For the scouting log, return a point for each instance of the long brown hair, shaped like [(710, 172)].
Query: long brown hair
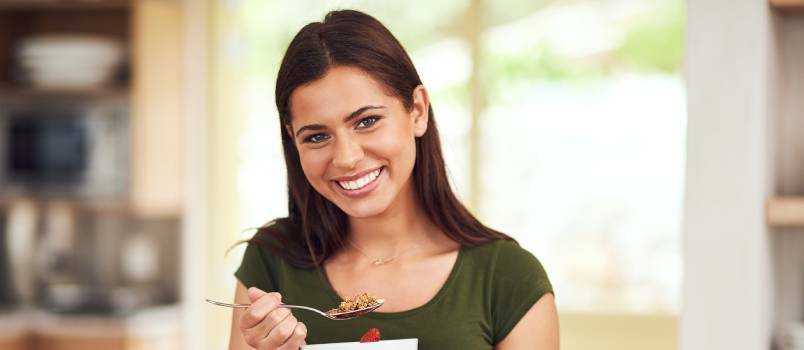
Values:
[(353, 38)]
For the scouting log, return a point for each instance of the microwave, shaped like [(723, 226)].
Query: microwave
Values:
[(75, 149)]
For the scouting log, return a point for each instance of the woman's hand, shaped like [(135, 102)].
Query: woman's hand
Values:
[(266, 326)]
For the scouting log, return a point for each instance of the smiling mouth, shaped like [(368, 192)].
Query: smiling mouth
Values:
[(361, 182)]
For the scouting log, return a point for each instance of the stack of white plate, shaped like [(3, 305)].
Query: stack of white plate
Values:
[(69, 61), (795, 337)]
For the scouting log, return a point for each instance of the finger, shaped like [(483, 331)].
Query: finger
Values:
[(280, 333), (255, 293), (256, 335), (271, 321), (297, 339), (259, 309)]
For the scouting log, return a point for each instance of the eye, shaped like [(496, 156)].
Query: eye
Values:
[(317, 138), (367, 122)]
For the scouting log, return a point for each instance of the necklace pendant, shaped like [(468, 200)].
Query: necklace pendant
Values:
[(382, 261)]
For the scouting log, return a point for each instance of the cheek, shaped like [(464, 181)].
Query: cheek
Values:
[(314, 165), (401, 150)]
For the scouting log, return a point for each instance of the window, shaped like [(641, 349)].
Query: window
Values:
[(578, 144)]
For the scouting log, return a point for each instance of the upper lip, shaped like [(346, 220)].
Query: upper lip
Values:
[(357, 175)]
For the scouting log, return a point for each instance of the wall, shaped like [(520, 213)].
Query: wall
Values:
[(618, 331), (196, 224)]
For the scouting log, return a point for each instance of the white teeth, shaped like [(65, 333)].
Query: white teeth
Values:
[(359, 183)]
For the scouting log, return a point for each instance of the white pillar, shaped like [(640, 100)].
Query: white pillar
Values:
[(728, 286)]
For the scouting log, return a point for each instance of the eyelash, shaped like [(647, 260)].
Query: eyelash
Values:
[(312, 138)]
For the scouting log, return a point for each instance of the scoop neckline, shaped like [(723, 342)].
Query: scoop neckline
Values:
[(406, 313)]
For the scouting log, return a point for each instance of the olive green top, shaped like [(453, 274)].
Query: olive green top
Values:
[(487, 292)]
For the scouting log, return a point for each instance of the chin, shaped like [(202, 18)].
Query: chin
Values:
[(363, 210)]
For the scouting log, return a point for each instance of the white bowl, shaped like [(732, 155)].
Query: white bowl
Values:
[(69, 79), (52, 62), (65, 45), (398, 344), (69, 61)]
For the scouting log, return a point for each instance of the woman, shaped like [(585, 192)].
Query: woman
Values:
[(371, 210)]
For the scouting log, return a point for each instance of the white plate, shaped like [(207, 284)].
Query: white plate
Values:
[(398, 344)]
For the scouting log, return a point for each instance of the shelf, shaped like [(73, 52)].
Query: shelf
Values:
[(104, 206), (62, 4), (22, 19), (787, 4), (20, 94), (785, 212)]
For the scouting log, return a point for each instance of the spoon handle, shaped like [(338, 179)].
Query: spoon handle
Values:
[(234, 306), (305, 308), (243, 306)]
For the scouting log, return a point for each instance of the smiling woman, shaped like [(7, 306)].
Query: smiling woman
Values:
[(371, 210)]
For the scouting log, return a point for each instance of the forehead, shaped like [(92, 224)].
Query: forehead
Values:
[(341, 91)]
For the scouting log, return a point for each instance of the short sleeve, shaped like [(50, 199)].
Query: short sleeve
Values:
[(256, 269), (519, 281)]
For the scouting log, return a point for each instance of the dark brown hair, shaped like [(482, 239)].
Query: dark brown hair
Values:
[(315, 227)]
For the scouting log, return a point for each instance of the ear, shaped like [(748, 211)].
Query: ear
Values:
[(289, 130), (421, 110)]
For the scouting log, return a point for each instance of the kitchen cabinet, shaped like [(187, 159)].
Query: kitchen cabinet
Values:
[(149, 329), (148, 85), (157, 329), (13, 332)]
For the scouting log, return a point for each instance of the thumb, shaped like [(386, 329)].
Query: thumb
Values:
[(255, 293)]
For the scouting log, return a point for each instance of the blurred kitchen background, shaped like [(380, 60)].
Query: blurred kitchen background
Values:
[(649, 152)]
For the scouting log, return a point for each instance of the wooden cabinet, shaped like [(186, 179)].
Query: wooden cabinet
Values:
[(151, 31), (153, 329), (14, 333), (150, 85)]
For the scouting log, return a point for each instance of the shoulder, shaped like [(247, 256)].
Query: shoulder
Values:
[(274, 232), (263, 260), (269, 241), (503, 254), (514, 279), (508, 264)]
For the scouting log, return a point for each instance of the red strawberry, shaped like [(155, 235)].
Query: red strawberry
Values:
[(372, 335)]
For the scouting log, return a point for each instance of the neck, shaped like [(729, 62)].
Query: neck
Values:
[(401, 227)]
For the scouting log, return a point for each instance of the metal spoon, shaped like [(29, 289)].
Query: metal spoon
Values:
[(347, 315)]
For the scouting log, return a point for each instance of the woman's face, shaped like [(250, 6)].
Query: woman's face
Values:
[(356, 143)]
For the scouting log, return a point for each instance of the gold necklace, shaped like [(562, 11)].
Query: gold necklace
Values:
[(376, 261)]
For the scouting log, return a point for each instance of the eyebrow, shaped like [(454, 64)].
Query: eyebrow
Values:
[(351, 116)]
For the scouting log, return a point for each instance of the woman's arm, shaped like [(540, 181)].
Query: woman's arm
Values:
[(538, 329), (236, 341), (264, 325)]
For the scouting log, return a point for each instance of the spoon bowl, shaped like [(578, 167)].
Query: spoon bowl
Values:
[(338, 316)]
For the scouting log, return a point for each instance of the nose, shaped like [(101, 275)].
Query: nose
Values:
[(348, 153)]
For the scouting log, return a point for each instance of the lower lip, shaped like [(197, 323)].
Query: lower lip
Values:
[(363, 191)]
